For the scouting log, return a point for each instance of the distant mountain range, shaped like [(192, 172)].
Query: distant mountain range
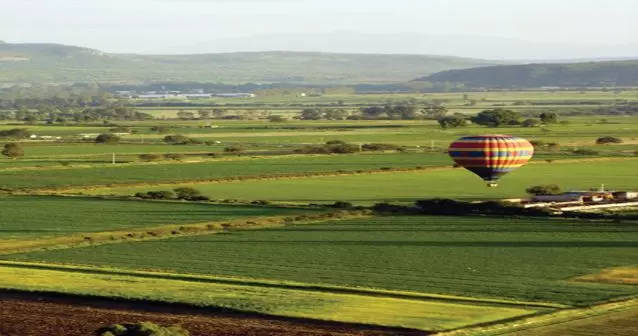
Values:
[(481, 47), (60, 63), (55, 63), (592, 74)]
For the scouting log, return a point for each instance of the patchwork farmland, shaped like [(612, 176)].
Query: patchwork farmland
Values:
[(256, 221)]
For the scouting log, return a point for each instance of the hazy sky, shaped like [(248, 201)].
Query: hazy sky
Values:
[(146, 25)]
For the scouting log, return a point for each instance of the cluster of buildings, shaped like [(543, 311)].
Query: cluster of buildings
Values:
[(583, 200), (182, 95)]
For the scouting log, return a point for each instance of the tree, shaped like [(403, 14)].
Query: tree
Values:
[(549, 118), (204, 114), (107, 138), (539, 190), (219, 113), (452, 122), (185, 115), (13, 151), (276, 118), (497, 117), (530, 123), (435, 111), (311, 114), (141, 329), (177, 139), (186, 193), (336, 114), (160, 129), (150, 157), (15, 133), (234, 149), (607, 140)]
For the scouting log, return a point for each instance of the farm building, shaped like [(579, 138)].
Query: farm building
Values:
[(576, 196), (625, 195)]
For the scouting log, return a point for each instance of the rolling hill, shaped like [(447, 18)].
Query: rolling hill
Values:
[(54, 63), (591, 74)]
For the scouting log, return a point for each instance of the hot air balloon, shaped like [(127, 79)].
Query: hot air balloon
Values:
[(491, 156)]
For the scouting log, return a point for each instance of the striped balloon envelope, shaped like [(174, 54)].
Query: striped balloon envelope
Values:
[(491, 156)]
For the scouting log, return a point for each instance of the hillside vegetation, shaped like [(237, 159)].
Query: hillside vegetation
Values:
[(60, 63), (593, 74)]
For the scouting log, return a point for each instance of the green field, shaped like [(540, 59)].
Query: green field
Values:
[(168, 172), (517, 259), (25, 217), (341, 306), (409, 186)]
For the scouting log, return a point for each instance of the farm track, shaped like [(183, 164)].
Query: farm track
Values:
[(291, 176), (529, 326), (33, 314)]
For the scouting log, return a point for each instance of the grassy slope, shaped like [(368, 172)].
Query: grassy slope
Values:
[(522, 259), (42, 216), (57, 63), (410, 186), (597, 74)]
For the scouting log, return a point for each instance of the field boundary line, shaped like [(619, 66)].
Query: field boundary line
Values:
[(265, 283), (167, 231), (545, 320), (290, 176)]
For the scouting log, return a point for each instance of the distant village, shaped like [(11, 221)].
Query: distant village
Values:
[(191, 94)]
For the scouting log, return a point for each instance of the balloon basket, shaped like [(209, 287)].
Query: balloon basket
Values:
[(492, 184)]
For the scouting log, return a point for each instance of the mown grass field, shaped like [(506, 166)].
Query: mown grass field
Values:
[(516, 259), (168, 172), (622, 323), (25, 217), (409, 186), (421, 314)]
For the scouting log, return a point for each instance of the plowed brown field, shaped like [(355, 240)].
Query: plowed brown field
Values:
[(26, 314)]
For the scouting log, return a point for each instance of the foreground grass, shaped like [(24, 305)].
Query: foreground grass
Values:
[(29, 217), (378, 310), (515, 259), (409, 186)]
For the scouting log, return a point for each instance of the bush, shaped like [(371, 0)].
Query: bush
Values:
[(342, 205), (584, 152), (336, 142), (156, 195), (141, 329), (13, 150), (179, 139), (550, 189), (107, 138), (186, 193), (608, 139), (174, 156), (530, 123), (15, 133), (452, 122), (150, 157), (234, 149), (378, 147), (277, 118)]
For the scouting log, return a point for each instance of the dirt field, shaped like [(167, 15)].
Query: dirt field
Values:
[(24, 314)]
